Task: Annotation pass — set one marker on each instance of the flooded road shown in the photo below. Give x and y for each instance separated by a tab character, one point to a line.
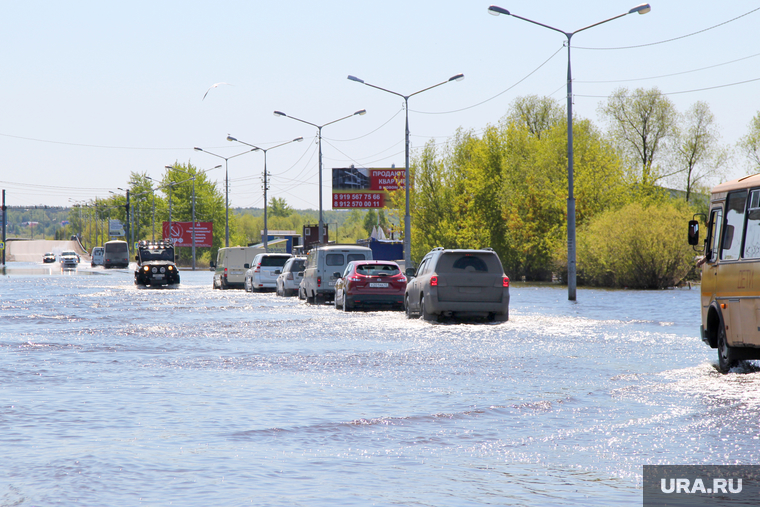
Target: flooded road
113	395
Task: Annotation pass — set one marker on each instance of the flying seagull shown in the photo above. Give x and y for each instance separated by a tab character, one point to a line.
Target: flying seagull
214	86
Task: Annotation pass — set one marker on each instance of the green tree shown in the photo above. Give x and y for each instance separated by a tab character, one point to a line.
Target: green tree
279	208
644	124
638	246
538	114
698	155
750	144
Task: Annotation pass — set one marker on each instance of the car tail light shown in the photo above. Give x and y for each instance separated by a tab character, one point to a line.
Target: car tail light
290	276
257	268
319	281
225	273
354	279
434	281
505	282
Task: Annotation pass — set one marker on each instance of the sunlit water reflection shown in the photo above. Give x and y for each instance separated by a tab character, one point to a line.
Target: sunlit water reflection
112	395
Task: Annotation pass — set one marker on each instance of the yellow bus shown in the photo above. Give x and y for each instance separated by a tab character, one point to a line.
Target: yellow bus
730	296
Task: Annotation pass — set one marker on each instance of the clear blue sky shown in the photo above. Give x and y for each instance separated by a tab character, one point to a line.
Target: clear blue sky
95	90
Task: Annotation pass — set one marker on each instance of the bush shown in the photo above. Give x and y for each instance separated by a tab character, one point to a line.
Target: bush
636	246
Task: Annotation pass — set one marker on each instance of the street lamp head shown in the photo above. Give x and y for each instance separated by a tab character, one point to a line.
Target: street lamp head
354	78
279	113
198	149
495	11
218	166
297	139
361	112
458	77
641	9
230	138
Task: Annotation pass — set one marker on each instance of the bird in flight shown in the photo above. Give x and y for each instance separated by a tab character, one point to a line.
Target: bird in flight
212	87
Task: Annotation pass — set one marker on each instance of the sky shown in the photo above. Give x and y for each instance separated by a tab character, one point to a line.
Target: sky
93	91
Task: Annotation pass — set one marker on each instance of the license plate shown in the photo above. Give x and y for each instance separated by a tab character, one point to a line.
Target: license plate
378	284
158	276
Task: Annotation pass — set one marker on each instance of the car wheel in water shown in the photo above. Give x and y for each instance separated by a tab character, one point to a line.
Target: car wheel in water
726	358
347	307
424	313
408	310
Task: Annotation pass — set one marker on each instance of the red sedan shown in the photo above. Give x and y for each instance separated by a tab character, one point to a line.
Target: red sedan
370	284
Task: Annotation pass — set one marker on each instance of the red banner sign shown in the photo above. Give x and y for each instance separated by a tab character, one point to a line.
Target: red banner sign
182	233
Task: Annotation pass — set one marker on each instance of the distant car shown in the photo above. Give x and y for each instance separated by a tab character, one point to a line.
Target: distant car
370	284
290	278
155	264
48	258
322	262
69	259
459	283
261	275
98	256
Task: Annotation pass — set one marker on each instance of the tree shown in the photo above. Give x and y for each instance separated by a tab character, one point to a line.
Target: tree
643	123
279	208
750	144
637	246
538	114
698	154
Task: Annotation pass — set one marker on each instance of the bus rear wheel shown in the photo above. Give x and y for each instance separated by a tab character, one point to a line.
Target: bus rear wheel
726	356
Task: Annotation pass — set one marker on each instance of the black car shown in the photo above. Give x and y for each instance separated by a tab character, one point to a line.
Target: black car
155	264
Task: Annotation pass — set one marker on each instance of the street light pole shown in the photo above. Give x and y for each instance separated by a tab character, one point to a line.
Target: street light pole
192	177
319	134
226	191
266	187
571	250
407	215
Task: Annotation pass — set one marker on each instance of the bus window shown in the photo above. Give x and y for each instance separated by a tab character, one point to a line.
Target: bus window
713	239
752	239
734	229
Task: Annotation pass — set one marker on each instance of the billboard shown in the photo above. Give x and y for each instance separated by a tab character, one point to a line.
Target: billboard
363	187
182	233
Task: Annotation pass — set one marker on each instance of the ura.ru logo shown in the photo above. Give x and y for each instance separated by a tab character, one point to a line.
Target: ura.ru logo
724	486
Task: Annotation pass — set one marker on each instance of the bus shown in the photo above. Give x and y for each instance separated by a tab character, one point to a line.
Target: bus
730	297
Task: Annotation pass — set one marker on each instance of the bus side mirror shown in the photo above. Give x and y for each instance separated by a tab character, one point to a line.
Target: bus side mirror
693	232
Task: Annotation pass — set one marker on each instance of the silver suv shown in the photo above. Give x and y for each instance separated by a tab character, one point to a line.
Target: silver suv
459	283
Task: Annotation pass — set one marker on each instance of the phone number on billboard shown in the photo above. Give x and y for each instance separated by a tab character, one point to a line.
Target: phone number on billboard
358	200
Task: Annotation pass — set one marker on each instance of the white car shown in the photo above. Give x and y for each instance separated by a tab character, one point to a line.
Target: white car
69	259
290	278
261	275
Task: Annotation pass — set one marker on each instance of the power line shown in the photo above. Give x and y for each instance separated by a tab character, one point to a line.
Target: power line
683	91
673	39
495	96
671	75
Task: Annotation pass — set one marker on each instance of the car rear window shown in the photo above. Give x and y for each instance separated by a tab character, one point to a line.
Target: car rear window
297	266
377	269
469	263
274	260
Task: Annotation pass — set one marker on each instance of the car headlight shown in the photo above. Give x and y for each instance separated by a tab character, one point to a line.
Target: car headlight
162	269
154	269
146	269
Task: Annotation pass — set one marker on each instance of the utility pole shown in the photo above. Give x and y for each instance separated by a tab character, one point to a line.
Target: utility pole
128	228
5	222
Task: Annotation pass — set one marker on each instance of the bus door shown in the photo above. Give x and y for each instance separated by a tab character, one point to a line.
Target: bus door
712	253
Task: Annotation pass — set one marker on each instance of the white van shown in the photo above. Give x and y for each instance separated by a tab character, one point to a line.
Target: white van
231	265
116	254
98	256
318	284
